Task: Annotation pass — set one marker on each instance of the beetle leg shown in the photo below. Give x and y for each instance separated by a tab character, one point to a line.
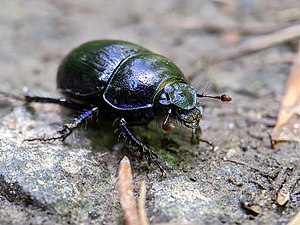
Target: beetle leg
196	138
68	128
133	140
28	98
142	148
59	101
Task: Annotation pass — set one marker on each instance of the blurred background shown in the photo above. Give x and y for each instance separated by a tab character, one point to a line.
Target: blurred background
244	48
36	35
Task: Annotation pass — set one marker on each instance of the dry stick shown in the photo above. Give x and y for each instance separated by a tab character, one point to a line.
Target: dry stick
219	27
260	43
244	164
141	203
127	200
256	168
265	41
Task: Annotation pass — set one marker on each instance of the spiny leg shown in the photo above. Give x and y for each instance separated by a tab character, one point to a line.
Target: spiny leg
142	148
68	128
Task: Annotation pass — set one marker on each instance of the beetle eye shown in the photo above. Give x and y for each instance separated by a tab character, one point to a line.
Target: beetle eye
164	99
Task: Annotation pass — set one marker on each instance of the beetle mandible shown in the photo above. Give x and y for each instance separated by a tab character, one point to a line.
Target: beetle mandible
127	83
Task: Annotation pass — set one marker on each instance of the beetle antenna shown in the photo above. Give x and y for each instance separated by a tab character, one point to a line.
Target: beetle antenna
223	98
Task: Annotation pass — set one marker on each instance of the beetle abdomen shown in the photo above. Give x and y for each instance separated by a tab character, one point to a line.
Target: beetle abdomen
86	69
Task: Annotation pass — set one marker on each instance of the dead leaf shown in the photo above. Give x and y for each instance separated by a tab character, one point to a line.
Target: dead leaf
288	123
295	220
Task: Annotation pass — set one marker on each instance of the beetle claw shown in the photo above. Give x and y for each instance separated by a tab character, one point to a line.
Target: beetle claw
152	157
207	142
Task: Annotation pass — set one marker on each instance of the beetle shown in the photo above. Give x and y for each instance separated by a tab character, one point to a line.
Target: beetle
127	83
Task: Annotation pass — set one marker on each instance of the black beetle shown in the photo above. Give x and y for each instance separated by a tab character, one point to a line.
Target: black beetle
127	83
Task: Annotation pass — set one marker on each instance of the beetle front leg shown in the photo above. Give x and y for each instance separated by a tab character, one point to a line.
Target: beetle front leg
68	128
142	148
196	137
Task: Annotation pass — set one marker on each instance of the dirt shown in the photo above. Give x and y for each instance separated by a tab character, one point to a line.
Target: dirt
241	181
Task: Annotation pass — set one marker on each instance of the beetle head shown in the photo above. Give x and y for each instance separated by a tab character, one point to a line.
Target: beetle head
182	99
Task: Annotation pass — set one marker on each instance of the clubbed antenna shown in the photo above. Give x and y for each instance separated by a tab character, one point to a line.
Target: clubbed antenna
223	98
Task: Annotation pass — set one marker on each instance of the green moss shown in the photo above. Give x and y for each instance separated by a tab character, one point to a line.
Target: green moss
173	148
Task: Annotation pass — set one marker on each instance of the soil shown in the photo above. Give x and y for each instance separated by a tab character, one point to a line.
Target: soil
242	180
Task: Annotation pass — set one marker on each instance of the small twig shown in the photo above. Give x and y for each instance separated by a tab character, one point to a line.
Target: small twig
266	41
245	164
261	185
273	143
127	200
248	47
219	27
141	204
280	179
